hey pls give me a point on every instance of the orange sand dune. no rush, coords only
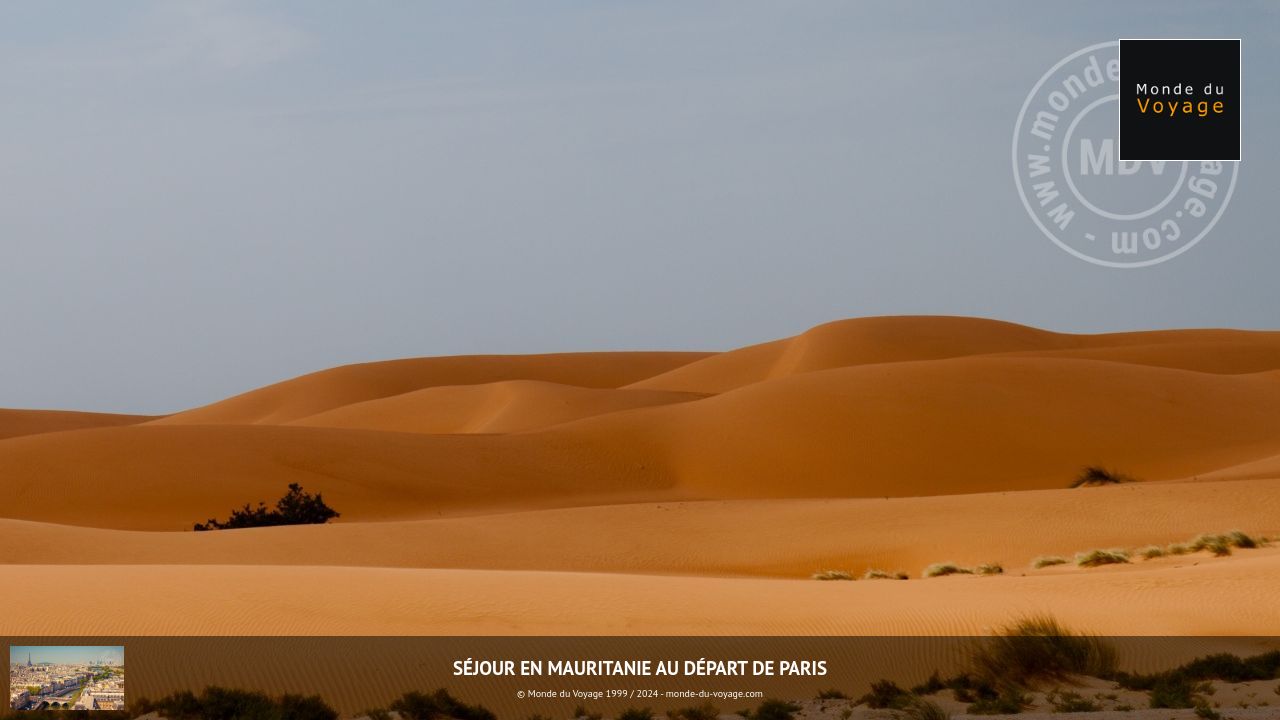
(943, 427)
(165, 477)
(962, 425)
(865, 341)
(859, 341)
(328, 389)
(1267, 467)
(502, 407)
(652, 493)
(1235, 596)
(16, 423)
(1259, 353)
(768, 538)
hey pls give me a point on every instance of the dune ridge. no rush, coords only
(328, 389)
(20, 423)
(499, 407)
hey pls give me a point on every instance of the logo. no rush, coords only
(1107, 211)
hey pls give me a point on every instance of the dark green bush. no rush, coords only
(1097, 475)
(295, 508)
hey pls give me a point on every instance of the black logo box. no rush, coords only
(1186, 66)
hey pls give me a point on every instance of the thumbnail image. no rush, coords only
(73, 677)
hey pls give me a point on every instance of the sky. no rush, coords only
(200, 198)
(66, 654)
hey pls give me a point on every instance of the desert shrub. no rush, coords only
(967, 688)
(1219, 545)
(295, 508)
(216, 703)
(1064, 701)
(1173, 691)
(1178, 549)
(1096, 558)
(305, 707)
(706, 711)
(636, 714)
(775, 710)
(1039, 648)
(832, 694)
(876, 574)
(1242, 540)
(1094, 475)
(934, 684)
(832, 575)
(886, 694)
(438, 706)
(1232, 668)
(1009, 702)
(990, 569)
(1151, 552)
(926, 710)
(1045, 561)
(946, 568)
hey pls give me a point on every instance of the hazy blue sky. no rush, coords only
(66, 653)
(203, 197)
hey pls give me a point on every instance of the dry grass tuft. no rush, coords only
(1151, 552)
(1096, 558)
(1039, 648)
(990, 569)
(946, 568)
(876, 574)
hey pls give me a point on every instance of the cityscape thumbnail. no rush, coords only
(68, 677)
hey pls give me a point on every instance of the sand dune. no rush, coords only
(328, 389)
(502, 407)
(966, 425)
(17, 423)
(156, 477)
(1266, 467)
(943, 427)
(1220, 356)
(846, 343)
(865, 341)
(650, 493)
(763, 538)
(268, 600)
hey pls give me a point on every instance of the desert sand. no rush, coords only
(673, 493)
